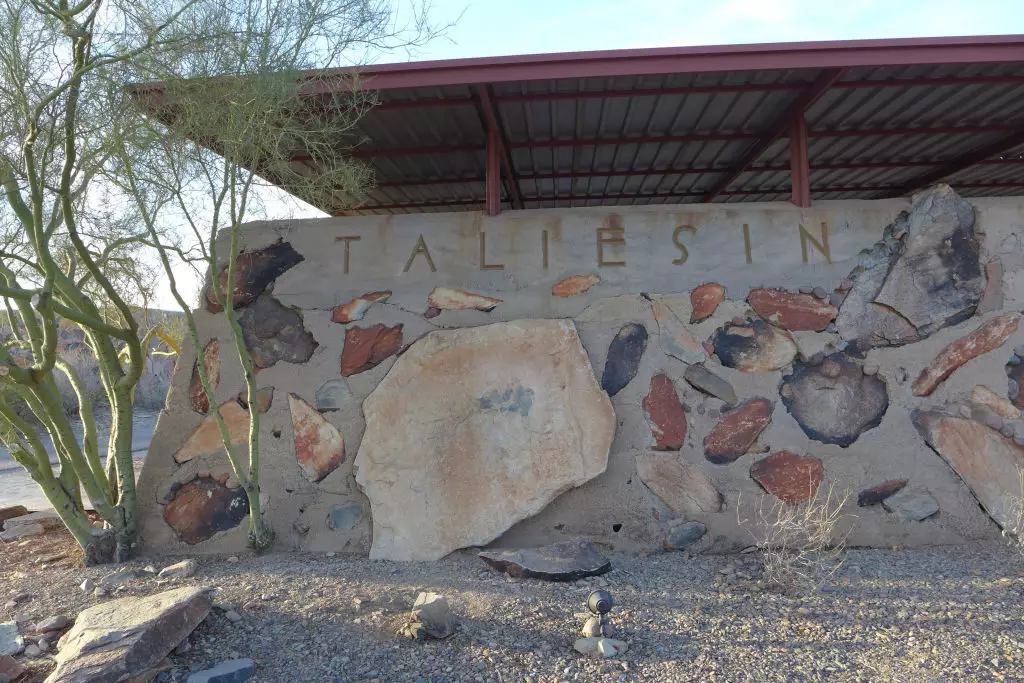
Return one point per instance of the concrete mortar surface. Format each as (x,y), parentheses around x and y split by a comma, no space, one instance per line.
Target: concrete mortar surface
(943,613)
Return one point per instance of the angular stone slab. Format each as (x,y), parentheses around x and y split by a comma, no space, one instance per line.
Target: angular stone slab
(466,464)
(231,671)
(128,638)
(448,299)
(754,346)
(368,347)
(256,270)
(988,337)
(1002,407)
(684,535)
(623,360)
(676,340)
(705,300)
(987,461)
(273,332)
(319,446)
(31,524)
(344,517)
(332,395)
(789,477)
(207,437)
(733,436)
(11,512)
(912,505)
(834,401)
(794,312)
(356,309)
(703,380)
(879,492)
(565,561)
(665,414)
(575,284)
(683,487)
(198,399)
(204,507)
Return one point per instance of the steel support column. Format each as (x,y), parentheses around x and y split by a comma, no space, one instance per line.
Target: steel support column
(799,164)
(493,177)
(499,144)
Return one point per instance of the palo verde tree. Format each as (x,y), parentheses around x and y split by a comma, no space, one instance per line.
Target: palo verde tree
(257,101)
(68,252)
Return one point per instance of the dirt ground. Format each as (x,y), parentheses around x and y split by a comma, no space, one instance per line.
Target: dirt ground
(944,614)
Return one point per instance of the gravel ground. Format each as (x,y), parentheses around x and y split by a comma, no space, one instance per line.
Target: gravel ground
(947,614)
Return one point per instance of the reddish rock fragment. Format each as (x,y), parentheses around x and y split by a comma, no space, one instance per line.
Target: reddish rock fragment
(256,270)
(367,347)
(789,477)
(754,346)
(1000,406)
(575,284)
(448,299)
(879,492)
(264,399)
(357,308)
(705,300)
(738,431)
(197,397)
(683,487)
(990,336)
(207,438)
(431,313)
(992,297)
(665,415)
(204,507)
(319,446)
(794,312)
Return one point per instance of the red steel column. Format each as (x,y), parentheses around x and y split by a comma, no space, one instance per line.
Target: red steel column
(799,164)
(493,179)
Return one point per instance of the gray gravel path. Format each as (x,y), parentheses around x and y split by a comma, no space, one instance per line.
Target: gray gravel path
(949,614)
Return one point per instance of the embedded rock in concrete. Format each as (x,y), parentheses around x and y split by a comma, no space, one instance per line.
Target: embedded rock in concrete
(319,446)
(128,639)
(988,462)
(264,399)
(683,487)
(992,298)
(565,561)
(683,536)
(794,312)
(988,337)
(357,308)
(754,346)
(1002,407)
(704,380)
(198,399)
(461,470)
(344,517)
(273,332)
(575,284)
(705,300)
(676,340)
(665,414)
(332,395)
(203,507)
(256,270)
(738,431)
(835,401)
(367,347)
(879,492)
(789,477)
(448,299)
(911,505)
(623,360)
(207,438)
(922,276)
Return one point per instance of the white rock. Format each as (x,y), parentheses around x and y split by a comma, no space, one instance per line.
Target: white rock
(181,570)
(609,647)
(496,422)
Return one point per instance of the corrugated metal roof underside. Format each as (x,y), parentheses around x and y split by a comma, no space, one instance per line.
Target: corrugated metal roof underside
(670,139)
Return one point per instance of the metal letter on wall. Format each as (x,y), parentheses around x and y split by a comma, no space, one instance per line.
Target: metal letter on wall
(821,246)
(348,240)
(682,247)
(421,248)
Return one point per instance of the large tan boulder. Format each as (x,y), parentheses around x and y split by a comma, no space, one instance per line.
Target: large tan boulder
(475,429)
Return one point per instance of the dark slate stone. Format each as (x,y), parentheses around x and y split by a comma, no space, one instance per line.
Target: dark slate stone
(879,492)
(256,270)
(624,355)
(707,382)
(344,517)
(565,561)
(1015,380)
(274,332)
(684,535)
(204,507)
(754,346)
(231,671)
(332,395)
(834,402)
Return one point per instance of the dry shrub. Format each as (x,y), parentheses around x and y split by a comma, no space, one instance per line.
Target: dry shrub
(802,546)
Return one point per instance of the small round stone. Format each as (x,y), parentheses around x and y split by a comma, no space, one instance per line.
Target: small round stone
(1013,390)
(807,290)
(820,292)
(1019,350)
(836,299)
(1019,439)
(870,369)
(1014,360)
(845,285)
(831,369)
(966,412)
(816,358)
(994,421)
(1007,431)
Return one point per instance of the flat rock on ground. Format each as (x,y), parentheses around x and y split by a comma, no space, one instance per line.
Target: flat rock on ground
(565,561)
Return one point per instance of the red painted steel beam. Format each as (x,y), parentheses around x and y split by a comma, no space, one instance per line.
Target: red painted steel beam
(972,158)
(822,83)
(493,167)
(494,126)
(686,60)
(799,163)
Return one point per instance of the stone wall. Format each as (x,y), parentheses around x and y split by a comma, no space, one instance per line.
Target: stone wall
(437,381)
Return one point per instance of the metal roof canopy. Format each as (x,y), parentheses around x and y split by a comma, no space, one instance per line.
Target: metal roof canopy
(800,121)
